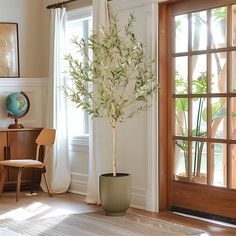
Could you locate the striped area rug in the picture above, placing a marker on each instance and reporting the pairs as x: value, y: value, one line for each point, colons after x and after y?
x: 94, y: 224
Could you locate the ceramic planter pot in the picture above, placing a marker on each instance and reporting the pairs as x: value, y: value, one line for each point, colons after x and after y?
x: 115, y: 193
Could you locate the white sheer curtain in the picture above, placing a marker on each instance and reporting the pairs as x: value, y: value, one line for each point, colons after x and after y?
x: 100, y: 19
x: 58, y: 167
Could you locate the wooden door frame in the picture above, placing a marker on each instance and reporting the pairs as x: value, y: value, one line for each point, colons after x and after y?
x: 164, y: 122
x: 163, y: 108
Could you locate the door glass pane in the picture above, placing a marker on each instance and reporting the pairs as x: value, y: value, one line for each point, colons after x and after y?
x: 233, y: 26
x: 233, y: 72
x: 218, y: 117
x: 181, y: 75
x: 199, y: 30
x: 219, y: 27
x: 181, y: 114
x: 218, y: 72
x: 233, y: 118
x: 233, y: 164
x: 181, y: 159
x: 199, y: 116
x: 191, y: 108
x: 199, y: 162
x: 199, y: 79
x: 181, y: 33
x: 218, y: 164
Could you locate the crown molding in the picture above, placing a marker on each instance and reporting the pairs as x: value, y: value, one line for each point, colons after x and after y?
x: 122, y: 5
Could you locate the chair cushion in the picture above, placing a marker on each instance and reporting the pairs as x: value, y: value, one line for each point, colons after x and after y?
x: 24, y: 163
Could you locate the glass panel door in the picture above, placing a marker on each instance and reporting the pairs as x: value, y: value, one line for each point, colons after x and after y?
x: 202, y: 91
x: 201, y: 94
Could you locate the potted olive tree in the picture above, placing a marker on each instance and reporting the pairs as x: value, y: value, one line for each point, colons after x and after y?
x: 115, y: 84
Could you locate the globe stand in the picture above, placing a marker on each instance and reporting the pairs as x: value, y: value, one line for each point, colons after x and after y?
x: 16, y: 125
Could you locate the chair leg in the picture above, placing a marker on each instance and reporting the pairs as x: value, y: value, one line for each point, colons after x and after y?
x: 49, y: 194
x: 18, y: 184
x: 33, y: 181
x: 3, y: 178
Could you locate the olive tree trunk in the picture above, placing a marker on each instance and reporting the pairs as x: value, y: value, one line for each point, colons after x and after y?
x: 114, y: 150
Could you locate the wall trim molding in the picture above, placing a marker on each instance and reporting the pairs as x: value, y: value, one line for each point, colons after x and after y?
x: 36, y: 89
x: 138, y: 198
x: 152, y: 161
x: 23, y: 82
x: 122, y: 5
x: 78, y: 184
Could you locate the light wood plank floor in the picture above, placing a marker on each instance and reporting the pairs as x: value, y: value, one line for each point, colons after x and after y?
x: 63, y: 204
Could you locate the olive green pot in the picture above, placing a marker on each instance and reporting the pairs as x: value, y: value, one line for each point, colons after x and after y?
x: 115, y: 193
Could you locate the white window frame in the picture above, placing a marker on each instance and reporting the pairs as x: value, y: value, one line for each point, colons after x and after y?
x: 75, y: 14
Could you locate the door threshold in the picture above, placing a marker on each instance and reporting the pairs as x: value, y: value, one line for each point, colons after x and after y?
x: 206, y: 219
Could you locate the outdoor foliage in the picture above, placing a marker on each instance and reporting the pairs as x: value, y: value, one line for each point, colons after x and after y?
x: 200, y: 85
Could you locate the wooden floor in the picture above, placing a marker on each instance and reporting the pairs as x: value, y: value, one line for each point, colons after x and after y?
x: 63, y: 204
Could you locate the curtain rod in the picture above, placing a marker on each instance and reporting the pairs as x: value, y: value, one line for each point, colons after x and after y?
x: 59, y: 4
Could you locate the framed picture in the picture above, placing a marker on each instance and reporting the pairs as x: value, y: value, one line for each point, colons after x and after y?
x: 9, y: 50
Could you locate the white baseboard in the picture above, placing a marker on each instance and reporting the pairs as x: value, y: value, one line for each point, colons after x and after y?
x: 78, y: 183
x: 138, y: 198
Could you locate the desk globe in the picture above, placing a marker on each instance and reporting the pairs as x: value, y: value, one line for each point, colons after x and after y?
x: 17, y: 106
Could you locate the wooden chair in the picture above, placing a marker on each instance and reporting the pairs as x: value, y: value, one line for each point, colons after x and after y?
x: 46, y: 138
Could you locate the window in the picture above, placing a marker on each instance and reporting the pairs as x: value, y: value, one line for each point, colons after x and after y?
x: 79, y: 24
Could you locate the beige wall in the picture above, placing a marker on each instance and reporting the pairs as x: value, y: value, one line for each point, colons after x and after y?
x: 28, y: 14
x: 34, y: 24
x: 134, y: 137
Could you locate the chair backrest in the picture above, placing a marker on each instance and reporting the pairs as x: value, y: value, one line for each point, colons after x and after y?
x: 46, y: 138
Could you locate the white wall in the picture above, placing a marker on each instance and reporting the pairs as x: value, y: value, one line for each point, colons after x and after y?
x: 136, y: 138
x: 36, y: 89
x: 78, y: 155
x: 136, y: 148
x: 28, y: 15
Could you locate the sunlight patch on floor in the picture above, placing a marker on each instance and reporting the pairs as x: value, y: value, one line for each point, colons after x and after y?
x: 37, y: 209
x: 24, y: 213
x: 58, y: 212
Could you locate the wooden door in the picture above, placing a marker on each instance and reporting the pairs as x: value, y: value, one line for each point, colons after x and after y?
x: 22, y: 146
x: 198, y: 78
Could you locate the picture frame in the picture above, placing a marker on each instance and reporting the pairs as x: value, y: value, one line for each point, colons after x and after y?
x: 9, y: 50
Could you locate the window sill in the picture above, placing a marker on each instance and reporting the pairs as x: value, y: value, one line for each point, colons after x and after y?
x: 80, y: 143
x: 80, y: 140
